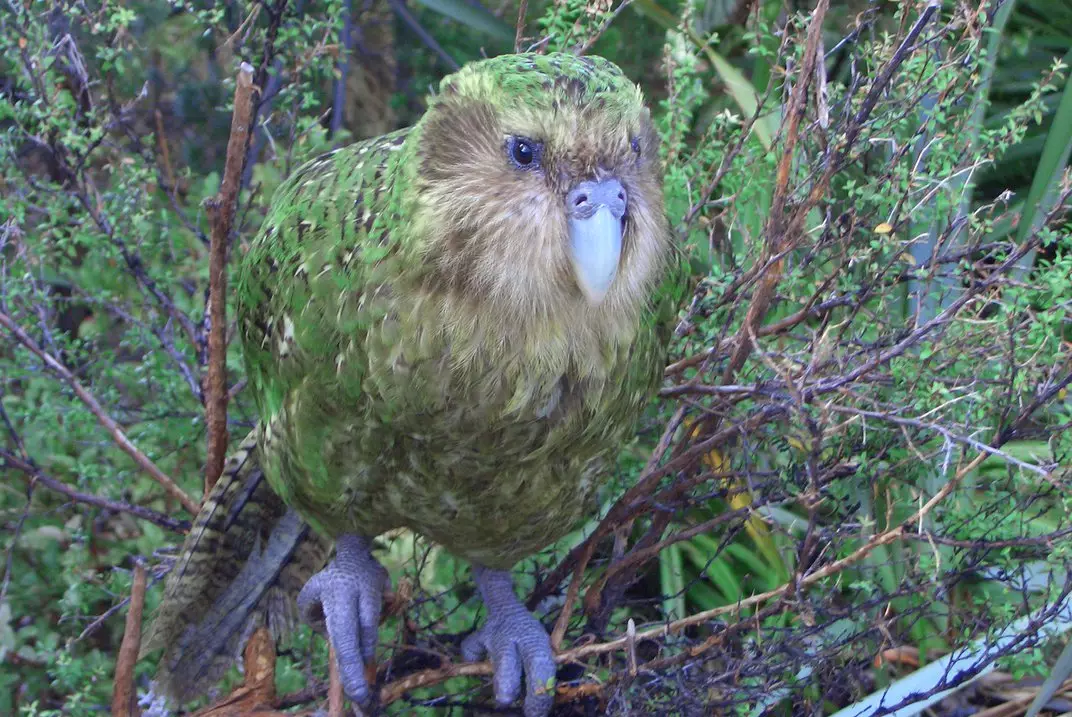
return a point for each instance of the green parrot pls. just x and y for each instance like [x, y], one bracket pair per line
[450, 328]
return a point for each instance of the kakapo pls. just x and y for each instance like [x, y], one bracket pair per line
[451, 328]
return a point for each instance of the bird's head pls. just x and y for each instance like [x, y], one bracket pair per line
[539, 188]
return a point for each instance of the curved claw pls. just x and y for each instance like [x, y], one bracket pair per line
[349, 594]
[517, 645]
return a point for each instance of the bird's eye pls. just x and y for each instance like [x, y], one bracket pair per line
[524, 152]
[635, 144]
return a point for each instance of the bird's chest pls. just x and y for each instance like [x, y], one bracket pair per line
[492, 461]
[466, 410]
[492, 451]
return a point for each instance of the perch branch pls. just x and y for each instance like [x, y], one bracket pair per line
[123, 693]
[221, 210]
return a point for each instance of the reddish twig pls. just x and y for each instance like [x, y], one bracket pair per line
[256, 694]
[562, 623]
[638, 557]
[335, 701]
[648, 479]
[395, 690]
[123, 693]
[782, 233]
[221, 209]
[519, 35]
[102, 416]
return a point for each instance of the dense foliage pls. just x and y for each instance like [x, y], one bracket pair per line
[861, 460]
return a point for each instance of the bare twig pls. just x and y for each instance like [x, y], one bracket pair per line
[335, 695]
[781, 232]
[944, 432]
[221, 209]
[562, 623]
[584, 47]
[102, 416]
[9, 460]
[519, 34]
[123, 693]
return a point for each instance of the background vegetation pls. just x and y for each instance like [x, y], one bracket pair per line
[856, 481]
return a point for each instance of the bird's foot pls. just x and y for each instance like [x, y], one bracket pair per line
[347, 597]
[516, 642]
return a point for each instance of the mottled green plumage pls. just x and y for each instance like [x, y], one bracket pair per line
[393, 395]
[422, 353]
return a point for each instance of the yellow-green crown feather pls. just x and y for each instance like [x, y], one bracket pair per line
[542, 82]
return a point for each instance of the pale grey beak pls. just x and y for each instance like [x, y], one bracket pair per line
[595, 210]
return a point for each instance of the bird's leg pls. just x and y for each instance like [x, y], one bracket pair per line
[349, 592]
[516, 642]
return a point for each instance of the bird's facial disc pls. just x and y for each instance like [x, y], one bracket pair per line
[596, 211]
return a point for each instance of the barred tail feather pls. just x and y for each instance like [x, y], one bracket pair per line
[241, 567]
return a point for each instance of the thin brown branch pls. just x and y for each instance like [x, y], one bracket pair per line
[647, 481]
[9, 460]
[221, 210]
[123, 694]
[395, 690]
[562, 623]
[519, 34]
[641, 556]
[335, 695]
[690, 361]
[781, 233]
[102, 416]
